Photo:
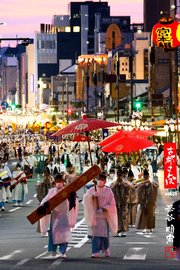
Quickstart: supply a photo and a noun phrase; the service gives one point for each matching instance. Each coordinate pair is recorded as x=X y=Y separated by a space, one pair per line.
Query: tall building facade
x=82 y=14
x=153 y=10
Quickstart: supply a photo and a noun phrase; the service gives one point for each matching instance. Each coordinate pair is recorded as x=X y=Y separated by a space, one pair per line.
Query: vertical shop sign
x=170 y=171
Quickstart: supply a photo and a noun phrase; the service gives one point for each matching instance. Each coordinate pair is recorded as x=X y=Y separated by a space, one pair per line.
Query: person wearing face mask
x=19 y=185
x=111 y=178
x=61 y=220
x=100 y=215
x=121 y=190
x=150 y=170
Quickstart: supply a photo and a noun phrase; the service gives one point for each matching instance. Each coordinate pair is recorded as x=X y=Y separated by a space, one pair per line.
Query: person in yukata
x=100 y=215
x=63 y=218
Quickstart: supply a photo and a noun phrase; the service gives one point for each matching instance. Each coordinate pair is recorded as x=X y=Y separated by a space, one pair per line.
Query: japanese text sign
x=166 y=34
x=170 y=170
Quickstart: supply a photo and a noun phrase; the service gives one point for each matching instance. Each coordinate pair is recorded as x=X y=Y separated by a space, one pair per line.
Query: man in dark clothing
x=19 y=150
x=65 y=159
x=52 y=150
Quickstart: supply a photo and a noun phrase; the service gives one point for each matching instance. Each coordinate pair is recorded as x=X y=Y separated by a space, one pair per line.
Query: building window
x=76 y=15
x=67 y=29
x=76 y=28
x=42 y=44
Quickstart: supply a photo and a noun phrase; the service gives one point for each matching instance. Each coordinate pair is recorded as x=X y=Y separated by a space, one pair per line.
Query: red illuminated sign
x=170 y=170
x=166 y=33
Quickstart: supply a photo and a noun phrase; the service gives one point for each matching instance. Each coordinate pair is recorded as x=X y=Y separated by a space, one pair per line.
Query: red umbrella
x=113 y=137
x=84 y=125
x=127 y=143
x=135 y=132
x=81 y=138
x=143 y=133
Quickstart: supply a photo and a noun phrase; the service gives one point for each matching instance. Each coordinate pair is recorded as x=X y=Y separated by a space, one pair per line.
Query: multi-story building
x=10 y=74
x=82 y=14
x=159 y=8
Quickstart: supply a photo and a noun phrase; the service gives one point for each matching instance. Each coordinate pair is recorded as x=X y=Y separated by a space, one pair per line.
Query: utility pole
x=152 y=80
x=67 y=98
x=87 y=87
x=131 y=78
x=117 y=83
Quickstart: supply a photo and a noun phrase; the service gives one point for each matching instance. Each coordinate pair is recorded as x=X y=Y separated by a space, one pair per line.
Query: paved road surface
x=23 y=248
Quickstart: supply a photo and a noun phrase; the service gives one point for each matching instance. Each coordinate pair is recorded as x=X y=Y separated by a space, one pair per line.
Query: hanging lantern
x=166 y=33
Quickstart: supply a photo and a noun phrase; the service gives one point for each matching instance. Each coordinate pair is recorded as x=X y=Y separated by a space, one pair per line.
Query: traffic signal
x=69 y=111
x=13 y=106
x=138 y=105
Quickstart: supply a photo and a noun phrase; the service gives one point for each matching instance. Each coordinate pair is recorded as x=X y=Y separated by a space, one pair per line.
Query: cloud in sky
x=23 y=17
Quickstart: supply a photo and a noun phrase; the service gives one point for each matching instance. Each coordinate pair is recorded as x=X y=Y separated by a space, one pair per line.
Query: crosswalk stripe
x=82 y=242
x=9 y=256
x=23 y=261
x=14 y=209
x=135 y=253
x=141 y=243
x=28 y=202
x=40 y=255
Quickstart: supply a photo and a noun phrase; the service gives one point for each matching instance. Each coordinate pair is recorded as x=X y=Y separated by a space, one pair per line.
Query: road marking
x=79 y=223
x=135 y=253
x=9 y=256
x=57 y=262
x=14 y=209
x=82 y=242
x=79 y=238
x=40 y=255
x=147 y=235
x=23 y=261
x=141 y=243
x=28 y=202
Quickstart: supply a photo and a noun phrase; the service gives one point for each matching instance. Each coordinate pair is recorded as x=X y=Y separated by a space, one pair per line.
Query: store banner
x=170 y=170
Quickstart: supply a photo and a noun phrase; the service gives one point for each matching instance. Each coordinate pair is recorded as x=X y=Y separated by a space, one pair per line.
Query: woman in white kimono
x=101 y=216
x=19 y=186
x=61 y=220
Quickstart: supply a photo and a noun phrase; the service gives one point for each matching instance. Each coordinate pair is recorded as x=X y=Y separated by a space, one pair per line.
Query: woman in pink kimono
x=101 y=216
x=61 y=220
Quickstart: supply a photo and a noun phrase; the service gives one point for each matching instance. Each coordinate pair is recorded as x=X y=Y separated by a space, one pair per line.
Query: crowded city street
x=25 y=246
x=90 y=135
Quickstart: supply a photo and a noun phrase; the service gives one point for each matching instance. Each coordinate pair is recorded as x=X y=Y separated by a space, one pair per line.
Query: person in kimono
x=61 y=220
x=147 y=197
x=100 y=215
x=133 y=199
x=3 y=193
x=42 y=189
x=19 y=186
x=121 y=191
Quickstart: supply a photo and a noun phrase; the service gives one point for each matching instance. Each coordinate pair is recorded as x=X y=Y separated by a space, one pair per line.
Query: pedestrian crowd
x=123 y=195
